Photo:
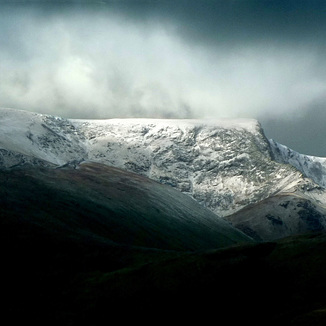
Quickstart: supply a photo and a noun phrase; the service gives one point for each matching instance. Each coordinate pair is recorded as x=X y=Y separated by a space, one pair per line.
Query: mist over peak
x=165 y=59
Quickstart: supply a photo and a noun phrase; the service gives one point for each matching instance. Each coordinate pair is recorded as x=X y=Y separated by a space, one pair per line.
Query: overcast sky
x=171 y=59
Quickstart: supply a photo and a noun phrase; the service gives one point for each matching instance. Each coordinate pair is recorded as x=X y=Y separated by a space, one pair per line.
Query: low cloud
x=82 y=64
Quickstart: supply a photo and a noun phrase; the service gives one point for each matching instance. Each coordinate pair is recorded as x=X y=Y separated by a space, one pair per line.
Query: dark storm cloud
x=239 y=20
x=303 y=131
x=185 y=58
x=212 y=21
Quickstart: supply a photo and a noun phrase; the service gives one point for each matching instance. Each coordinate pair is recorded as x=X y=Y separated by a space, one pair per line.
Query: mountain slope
x=110 y=205
x=53 y=279
x=46 y=138
x=280 y=216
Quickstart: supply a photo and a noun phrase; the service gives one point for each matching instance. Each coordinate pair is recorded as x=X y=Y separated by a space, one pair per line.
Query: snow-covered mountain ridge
x=224 y=164
x=27 y=137
x=311 y=166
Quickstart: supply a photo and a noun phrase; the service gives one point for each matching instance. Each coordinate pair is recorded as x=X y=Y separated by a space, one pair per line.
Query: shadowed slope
x=275 y=283
x=108 y=204
x=52 y=280
x=71 y=255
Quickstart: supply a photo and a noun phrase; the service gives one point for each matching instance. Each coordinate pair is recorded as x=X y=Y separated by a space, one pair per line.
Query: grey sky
x=177 y=59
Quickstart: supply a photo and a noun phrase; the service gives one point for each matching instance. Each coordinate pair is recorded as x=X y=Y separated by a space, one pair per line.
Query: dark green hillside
x=276 y=283
x=113 y=206
x=84 y=247
x=48 y=279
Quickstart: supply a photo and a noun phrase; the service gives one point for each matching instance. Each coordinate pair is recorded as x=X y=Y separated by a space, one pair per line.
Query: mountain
x=223 y=164
x=227 y=166
x=146 y=220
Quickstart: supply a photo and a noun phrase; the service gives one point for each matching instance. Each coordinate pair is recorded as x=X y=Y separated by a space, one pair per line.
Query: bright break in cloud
x=193 y=59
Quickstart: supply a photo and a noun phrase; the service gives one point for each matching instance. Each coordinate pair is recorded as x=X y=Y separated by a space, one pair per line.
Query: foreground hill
x=52 y=279
x=110 y=205
x=94 y=244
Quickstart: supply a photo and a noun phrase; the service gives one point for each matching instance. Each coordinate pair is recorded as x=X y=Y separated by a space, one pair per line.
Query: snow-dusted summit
x=224 y=164
x=32 y=138
x=311 y=166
